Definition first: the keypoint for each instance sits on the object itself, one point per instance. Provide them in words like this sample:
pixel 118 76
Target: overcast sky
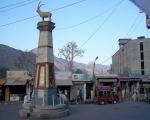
pixel 95 25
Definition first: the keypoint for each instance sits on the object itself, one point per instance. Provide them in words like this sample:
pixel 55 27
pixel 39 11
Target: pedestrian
pixel 66 93
pixel 123 93
pixel 1 92
pixel 63 98
pixel 92 95
pixel 77 97
pixel 77 93
pixel 80 95
pixel 25 99
pixel 134 96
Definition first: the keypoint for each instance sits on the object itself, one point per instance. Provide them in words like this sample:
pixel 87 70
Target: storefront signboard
pixel 63 76
pixel 80 77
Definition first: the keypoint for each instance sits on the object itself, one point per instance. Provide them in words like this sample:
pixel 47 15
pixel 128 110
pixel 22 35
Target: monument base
pixel 44 112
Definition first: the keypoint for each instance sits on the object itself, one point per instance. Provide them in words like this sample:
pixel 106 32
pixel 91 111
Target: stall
pixel 16 85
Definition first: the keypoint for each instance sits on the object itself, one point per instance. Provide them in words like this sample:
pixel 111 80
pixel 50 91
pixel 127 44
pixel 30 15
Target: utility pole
pixel 94 76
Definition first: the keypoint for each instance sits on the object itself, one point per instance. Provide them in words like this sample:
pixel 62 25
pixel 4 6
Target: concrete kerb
pixel 11 102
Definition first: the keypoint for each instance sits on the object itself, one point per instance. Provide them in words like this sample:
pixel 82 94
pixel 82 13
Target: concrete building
pixel 83 82
pixel 132 57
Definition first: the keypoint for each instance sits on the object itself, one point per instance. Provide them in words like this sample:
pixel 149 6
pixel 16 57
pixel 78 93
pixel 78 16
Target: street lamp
pixel 94 75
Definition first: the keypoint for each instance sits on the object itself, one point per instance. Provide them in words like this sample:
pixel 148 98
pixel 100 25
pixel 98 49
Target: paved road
pixel 127 110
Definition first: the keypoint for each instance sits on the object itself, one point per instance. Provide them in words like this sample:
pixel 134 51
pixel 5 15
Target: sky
pixel 95 25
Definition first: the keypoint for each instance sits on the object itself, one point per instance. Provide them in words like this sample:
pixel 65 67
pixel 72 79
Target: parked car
pixel 104 94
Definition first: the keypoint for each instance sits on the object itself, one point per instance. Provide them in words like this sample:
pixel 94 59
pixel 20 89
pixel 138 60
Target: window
pixel 142 65
pixel 142 72
pixel 142 56
pixel 141 45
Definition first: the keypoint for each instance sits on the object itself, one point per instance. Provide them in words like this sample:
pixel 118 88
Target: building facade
pixel 83 82
pixel 132 57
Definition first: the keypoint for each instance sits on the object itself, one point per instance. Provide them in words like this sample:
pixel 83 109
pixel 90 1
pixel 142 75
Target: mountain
pixel 8 55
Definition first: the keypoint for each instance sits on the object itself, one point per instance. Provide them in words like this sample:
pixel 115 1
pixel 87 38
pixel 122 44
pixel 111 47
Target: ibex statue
pixel 43 14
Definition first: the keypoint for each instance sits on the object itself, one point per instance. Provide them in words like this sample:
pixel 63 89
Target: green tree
pixel 69 52
pixel 3 72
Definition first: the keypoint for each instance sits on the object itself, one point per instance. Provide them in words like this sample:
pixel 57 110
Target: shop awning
pixel 107 80
pixel 145 80
pixel 135 79
pixel 2 81
pixel 106 88
pixel 124 80
pixel 64 82
pixel 146 85
pixel 16 82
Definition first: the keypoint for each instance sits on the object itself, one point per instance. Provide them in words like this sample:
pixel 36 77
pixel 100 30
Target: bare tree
pixel 26 61
pixel 70 51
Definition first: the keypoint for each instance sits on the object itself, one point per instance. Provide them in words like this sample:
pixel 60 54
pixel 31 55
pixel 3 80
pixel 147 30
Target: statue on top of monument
pixel 43 14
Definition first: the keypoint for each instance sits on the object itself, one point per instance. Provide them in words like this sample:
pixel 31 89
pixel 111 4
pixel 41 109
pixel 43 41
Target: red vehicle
pixel 104 94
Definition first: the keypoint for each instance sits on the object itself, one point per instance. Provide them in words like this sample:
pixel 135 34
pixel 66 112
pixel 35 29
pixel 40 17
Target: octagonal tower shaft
pixel 44 82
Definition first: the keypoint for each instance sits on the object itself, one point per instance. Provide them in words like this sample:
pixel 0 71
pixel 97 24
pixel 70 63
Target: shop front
pixel 2 89
pixel 64 83
pixel 16 85
pixel 132 82
pixel 124 82
pixel 107 80
pixel 84 84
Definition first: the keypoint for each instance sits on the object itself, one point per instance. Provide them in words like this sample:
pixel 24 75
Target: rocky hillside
pixel 8 55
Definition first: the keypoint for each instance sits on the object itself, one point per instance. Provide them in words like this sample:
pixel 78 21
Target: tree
pixel 70 51
pixel 26 61
pixel 3 72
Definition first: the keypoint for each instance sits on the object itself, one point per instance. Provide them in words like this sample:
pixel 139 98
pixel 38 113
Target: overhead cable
pixel 14 4
pixel 19 6
pixel 126 42
pixel 101 24
pixel 132 25
pixel 88 19
pixel 137 25
pixel 38 15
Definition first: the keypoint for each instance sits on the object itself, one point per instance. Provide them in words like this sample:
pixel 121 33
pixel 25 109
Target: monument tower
pixel 44 82
pixel 44 100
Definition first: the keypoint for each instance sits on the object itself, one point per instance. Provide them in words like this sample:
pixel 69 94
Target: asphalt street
pixel 128 110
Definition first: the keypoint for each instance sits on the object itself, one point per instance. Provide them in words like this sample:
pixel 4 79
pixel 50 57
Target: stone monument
pixel 44 103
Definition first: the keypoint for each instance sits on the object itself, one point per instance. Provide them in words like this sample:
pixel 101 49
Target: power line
pixel 88 19
pixel 19 6
pixel 132 25
pixel 38 15
pixel 137 25
pixel 101 24
pixel 14 4
pixel 126 42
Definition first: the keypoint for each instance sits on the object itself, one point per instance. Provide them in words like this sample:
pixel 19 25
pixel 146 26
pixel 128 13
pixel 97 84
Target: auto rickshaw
pixel 104 94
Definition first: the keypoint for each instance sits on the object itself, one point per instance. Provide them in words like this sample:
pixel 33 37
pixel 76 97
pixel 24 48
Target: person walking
pixel 123 93
pixel 77 95
pixel 134 96
pixel 80 95
pixel 92 95
pixel 25 99
pixel 1 92
pixel 66 93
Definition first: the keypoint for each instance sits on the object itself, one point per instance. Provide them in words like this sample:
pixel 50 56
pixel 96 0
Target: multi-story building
pixel 132 57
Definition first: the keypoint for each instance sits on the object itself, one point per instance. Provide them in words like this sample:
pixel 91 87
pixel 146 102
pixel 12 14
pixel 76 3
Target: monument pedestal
pixel 44 112
pixel 44 101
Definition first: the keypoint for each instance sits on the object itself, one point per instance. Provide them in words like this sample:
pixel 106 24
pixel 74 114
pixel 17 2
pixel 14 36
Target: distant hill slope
pixel 8 55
